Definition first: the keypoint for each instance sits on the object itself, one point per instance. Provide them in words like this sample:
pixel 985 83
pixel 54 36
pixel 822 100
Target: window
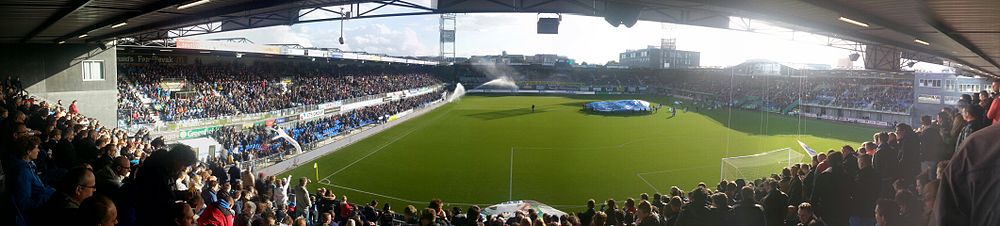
pixel 935 83
pixel 93 70
pixel 968 88
pixel 951 100
pixel 950 85
pixel 928 99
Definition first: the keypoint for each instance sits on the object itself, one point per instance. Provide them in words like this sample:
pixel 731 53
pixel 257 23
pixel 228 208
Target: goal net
pixel 755 166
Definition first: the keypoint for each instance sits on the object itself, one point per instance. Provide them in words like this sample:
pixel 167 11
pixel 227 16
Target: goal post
pixel 760 165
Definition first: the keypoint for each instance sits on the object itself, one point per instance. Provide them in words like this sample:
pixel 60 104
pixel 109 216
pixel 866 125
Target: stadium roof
pixel 28 21
pixel 962 31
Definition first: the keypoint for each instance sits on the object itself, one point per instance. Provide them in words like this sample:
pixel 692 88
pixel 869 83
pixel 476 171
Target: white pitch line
pixel 647 183
pixel 397 198
pixel 675 170
pixel 664 171
pixel 385 145
pixel 370 193
pixel 371 153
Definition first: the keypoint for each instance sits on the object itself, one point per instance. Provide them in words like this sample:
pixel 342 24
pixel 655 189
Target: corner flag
pixel 807 149
pixel 316 166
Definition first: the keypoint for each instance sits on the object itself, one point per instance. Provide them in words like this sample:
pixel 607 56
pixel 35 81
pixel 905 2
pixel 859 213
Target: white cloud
pixel 583 38
pixel 266 35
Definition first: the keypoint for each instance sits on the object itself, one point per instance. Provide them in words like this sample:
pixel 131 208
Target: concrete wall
pixel 55 72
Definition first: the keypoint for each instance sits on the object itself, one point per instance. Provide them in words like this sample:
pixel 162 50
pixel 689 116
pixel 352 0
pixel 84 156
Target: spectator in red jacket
pixel 994 109
pixel 346 210
pixel 219 213
pixel 72 108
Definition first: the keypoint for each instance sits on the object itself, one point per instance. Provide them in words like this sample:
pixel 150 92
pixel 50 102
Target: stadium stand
pixel 771 93
pixel 62 167
pixel 176 93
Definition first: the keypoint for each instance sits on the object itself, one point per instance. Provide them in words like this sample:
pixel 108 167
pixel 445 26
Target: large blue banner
pixel 619 106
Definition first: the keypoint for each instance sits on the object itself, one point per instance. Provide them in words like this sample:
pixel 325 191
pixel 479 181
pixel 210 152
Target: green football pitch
pixel 488 149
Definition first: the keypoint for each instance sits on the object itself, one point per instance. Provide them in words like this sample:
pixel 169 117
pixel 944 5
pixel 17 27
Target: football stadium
pixel 487 112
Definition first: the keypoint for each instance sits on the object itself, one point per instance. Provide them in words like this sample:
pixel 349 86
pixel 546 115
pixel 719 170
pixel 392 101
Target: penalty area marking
pixel 327 177
pixel 641 177
pixel 622 145
pixel 370 153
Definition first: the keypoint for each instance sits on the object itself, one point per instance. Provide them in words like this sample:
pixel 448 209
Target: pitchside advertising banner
pixel 195 133
pixel 311 114
pixel 152 59
pixel 329 105
pixel 846 119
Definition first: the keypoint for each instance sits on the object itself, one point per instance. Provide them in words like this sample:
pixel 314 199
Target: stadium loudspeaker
pixel 618 13
pixel 548 25
pixel 854 56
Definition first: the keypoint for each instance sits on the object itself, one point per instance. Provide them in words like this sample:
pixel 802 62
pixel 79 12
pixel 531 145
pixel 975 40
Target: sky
pixel 586 39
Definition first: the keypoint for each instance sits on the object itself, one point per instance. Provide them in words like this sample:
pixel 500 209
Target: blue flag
pixel 807 149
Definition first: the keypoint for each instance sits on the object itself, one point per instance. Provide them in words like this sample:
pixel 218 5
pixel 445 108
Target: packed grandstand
pixel 62 158
pixel 215 90
pixel 770 92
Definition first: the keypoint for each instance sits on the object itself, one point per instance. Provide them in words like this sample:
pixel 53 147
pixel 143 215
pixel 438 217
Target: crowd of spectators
pixel 182 92
pixel 256 142
pixel 776 93
pixel 61 168
pixel 769 93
